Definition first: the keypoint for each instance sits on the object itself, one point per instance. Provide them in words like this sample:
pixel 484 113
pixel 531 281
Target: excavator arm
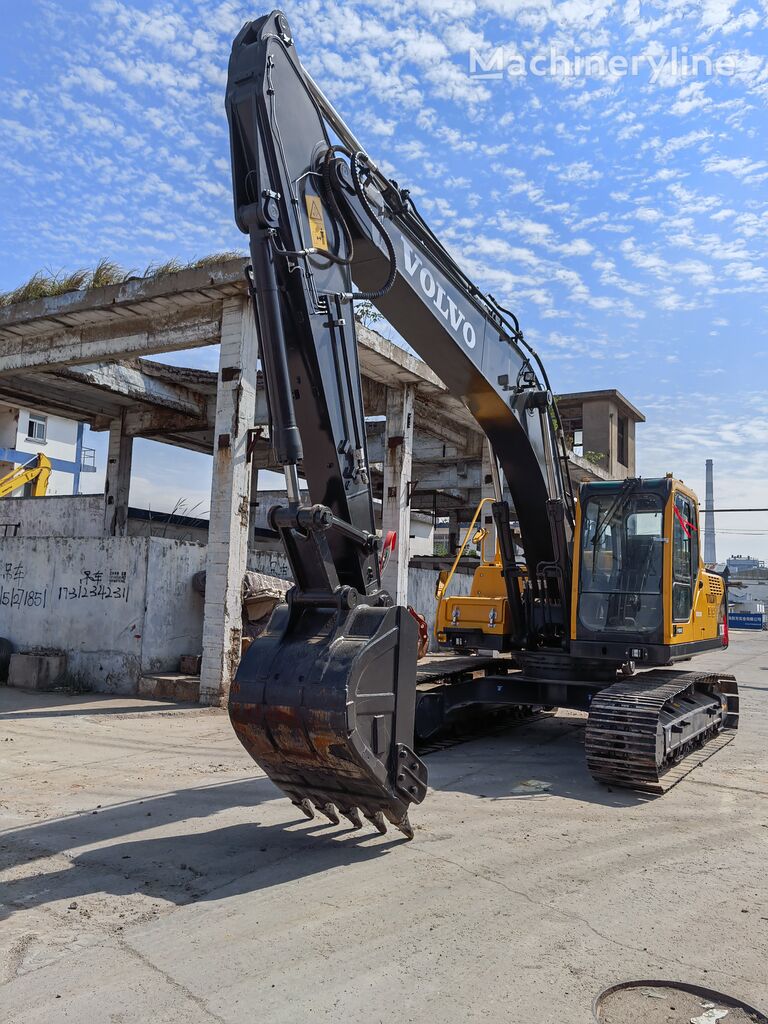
pixel 324 700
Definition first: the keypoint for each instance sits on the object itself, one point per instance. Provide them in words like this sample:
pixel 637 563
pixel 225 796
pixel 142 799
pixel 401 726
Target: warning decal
pixel 316 222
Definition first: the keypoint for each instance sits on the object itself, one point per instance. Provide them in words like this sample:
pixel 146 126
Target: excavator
pixel 36 472
pixel 596 597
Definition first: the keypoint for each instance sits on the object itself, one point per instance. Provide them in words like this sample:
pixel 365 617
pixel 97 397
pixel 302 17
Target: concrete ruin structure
pixel 600 427
pixel 78 574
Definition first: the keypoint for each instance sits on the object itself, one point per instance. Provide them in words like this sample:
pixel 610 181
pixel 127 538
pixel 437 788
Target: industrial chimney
pixel 710 550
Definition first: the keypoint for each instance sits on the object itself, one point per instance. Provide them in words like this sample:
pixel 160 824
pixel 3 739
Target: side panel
pixel 707 595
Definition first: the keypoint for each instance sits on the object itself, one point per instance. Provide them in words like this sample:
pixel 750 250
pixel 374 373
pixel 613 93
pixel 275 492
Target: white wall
pixel 60 441
pixel 422 536
pixel 8 431
pixel 64 516
pixel 118 606
pixel 8 426
pixel 173 620
pixel 421 595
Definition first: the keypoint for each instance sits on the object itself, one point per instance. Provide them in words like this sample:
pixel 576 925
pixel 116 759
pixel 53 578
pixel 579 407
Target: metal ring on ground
pixel 710 994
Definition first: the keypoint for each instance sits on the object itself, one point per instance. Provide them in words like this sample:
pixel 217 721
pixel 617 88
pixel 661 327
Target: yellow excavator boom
pixel 37 472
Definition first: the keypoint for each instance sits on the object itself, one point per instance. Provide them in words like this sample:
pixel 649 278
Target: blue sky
pixel 623 216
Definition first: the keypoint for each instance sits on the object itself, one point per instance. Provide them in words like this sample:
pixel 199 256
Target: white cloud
pixel 678 142
pixel 691 97
pixel 739 166
pixel 90 78
pixel 715 13
pixel 580 172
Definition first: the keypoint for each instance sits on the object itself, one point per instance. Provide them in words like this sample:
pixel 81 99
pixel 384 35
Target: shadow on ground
pixel 529 760
pixel 193 859
pixel 17 705
pixel 191 855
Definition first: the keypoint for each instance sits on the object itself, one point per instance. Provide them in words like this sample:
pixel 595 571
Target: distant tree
pixel 367 314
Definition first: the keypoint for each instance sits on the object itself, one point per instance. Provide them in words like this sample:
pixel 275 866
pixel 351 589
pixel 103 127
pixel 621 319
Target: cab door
pixel 685 565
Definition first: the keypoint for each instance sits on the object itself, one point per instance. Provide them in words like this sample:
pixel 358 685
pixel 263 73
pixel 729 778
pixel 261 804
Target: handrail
pixel 442 594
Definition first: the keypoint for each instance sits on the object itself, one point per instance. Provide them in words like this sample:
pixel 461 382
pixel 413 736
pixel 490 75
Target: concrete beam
pixel 227 555
pixel 383 361
pixel 426 446
pixel 188 328
pixel 452 476
pixel 46 400
pixel 128 380
pixel 396 509
pixel 146 422
pixel 432 417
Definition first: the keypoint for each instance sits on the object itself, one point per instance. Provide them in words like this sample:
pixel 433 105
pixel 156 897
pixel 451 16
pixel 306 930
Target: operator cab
pixel 640 591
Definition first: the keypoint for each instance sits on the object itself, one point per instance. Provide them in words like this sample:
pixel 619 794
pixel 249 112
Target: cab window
pixel 621 563
pixel 685 557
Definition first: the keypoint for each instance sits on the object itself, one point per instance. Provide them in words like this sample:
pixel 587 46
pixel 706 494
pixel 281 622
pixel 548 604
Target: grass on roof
pixel 44 284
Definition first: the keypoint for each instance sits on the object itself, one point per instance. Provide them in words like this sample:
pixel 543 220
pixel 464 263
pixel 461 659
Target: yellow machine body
pixel 639 593
pixel 482 617
pixel 37 473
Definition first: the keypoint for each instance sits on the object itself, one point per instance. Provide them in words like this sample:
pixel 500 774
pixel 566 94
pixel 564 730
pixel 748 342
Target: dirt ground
pixel 151 873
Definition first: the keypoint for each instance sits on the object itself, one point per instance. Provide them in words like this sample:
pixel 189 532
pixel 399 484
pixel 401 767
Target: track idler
pixel 324 702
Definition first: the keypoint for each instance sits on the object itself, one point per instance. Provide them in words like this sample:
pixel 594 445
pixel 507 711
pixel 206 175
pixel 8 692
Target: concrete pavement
pixel 150 873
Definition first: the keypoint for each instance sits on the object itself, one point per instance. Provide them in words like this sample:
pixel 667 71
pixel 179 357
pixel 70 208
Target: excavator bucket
pixel 324 702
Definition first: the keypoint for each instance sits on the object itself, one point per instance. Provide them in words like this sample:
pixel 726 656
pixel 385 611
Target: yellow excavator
pixel 597 595
pixel 37 472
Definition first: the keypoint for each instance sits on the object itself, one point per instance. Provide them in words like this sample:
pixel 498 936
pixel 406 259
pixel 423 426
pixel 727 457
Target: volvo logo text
pixel 442 302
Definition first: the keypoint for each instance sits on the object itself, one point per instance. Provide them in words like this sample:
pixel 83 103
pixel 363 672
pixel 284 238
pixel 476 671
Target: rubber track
pixel 622 729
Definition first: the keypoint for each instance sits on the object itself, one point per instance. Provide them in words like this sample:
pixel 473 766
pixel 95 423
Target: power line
pixel 742 533
pixel 720 511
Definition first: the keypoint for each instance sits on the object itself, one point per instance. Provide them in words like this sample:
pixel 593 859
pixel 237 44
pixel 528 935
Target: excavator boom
pixel 37 472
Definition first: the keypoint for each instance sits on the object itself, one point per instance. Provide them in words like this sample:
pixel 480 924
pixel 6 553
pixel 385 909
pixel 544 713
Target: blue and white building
pixel 24 433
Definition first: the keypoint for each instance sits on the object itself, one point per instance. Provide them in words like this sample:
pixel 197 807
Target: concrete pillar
pixel 230 500
pixel 117 482
pixel 453 533
pixel 396 509
pixel 487 491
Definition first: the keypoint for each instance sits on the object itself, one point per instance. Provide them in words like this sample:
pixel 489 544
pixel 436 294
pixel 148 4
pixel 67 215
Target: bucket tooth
pixel 405 826
pixel 352 815
pixel 377 820
pixel 305 806
pixel 330 813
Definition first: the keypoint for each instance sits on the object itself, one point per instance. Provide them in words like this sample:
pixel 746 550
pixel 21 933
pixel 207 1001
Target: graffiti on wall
pixel 99 583
pixel 14 593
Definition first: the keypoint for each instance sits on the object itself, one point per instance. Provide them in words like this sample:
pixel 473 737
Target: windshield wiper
pixel 618 503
